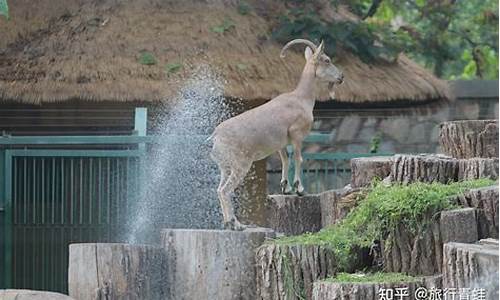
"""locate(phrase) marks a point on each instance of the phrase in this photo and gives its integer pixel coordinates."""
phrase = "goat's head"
(324, 69)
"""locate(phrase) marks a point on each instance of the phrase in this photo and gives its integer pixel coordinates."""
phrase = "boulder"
(459, 225)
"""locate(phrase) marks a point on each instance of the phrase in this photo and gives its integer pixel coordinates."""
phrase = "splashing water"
(179, 190)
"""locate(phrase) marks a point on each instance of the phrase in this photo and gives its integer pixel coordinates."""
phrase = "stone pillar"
(212, 264)
(294, 215)
(365, 169)
(116, 271)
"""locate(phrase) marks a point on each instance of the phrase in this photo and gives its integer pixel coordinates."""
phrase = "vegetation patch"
(172, 67)
(147, 58)
(378, 277)
(381, 211)
(226, 25)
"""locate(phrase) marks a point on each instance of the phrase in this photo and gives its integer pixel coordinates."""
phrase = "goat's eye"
(327, 60)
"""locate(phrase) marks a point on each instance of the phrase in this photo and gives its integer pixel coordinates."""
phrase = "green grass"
(381, 211)
(379, 277)
(147, 58)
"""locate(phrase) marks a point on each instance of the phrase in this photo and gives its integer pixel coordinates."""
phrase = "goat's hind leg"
(235, 178)
(285, 187)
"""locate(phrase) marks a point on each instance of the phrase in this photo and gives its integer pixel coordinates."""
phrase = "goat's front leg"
(297, 182)
(285, 187)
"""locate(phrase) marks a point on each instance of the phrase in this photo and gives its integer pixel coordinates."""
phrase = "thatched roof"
(60, 50)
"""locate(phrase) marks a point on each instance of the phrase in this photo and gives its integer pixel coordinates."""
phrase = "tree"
(456, 39)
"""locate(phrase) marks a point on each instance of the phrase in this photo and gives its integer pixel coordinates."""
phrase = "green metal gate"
(59, 190)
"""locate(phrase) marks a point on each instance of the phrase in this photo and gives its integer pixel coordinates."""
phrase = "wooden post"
(212, 264)
(293, 215)
(471, 138)
(116, 271)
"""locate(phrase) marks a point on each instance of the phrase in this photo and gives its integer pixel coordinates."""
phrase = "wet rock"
(212, 264)
(472, 266)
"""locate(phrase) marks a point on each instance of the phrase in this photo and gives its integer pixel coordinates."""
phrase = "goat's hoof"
(235, 225)
(285, 188)
(299, 189)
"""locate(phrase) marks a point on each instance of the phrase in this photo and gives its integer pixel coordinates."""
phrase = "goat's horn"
(297, 41)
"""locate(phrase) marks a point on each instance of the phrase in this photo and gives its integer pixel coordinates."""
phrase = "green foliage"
(241, 66)
(172, 67)
(147, 58)
(378, 277)
(243, 8)
(434, 33)
(375, 143)
(360, 38)
(381, 211)
(4, 8)
(226, 25)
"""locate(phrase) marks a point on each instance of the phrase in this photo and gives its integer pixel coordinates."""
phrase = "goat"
(259, 132)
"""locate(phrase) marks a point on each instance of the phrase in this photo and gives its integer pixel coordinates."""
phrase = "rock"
(31, 295)
(336, 204)
(468, 139)
(485, 200)
(365, 169)
(294, 215)
(288, 271)
(325, 290)
(475, 168)
(440, 168)
(116, 271)
(328, 201)
(423, 167)
(459, 225)
(415, 253)
(473, 266)
(212, 264)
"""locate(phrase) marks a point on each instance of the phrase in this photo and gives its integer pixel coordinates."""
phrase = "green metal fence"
(325, 170)
(60, 190)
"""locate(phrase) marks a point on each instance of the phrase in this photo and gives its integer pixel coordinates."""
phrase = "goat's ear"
(308, 53)
(320, 50)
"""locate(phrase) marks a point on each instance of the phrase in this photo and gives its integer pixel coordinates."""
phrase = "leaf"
(226, 25)
(147, 58)
(4, 8)
(172, 67)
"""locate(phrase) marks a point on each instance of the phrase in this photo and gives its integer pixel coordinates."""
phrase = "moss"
(381, 211)
(379, 277)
